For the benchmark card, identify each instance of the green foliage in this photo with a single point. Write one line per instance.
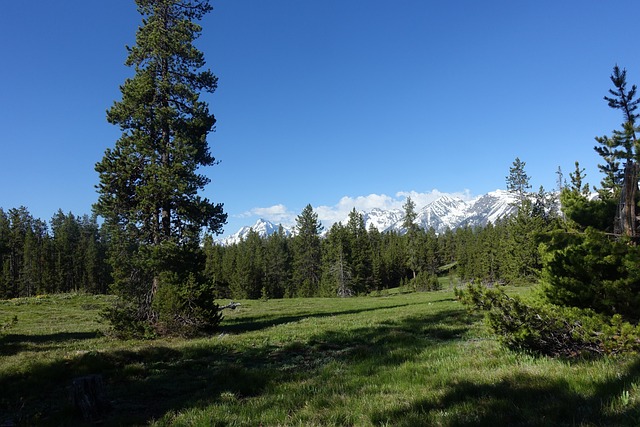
(35, 259)
(185, 307)
(578, 183)
(307, 253)
(621, 147)
(425, 281)
(538, 329)
(592, 270)
(149, 190)
(410, 215)
(125, 320)
(581, 212)
(518, 180)
(551, 330)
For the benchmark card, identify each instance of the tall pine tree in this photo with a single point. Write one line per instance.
(307, 253)
(149, 182)
(518, 180)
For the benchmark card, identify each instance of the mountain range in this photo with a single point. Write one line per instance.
(444, 212)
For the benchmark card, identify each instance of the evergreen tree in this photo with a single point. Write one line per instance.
(412, 236)
(613, 176)
(447, 247)
(248, 277)
(560, 181)
(277, 264)
(91, 254)
(66, 242)
(35, 271)
(307, 253)
(149, 182)
(214, 270)
(5, 255)
(465, 256)
(378, 266)
(20, 226)
(622, 146)
(393, 259)
(229, 264)
(410, 215)
(337, 275)
(522, 261)
(578, 184)
(359, 252)
(430, 252)
(518, 180)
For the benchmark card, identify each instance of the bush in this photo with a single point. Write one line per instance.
(592, 271)
(185, 308)
(550, 330)
(126, 320)
(179, 308)
(425, 282)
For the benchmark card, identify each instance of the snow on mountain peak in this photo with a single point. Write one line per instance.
(446, 212)
(263, 227)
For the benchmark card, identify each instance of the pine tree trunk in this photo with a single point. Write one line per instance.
(628, 209)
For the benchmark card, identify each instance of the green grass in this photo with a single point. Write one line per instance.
(399, 359)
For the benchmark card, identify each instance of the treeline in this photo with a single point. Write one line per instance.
(351, 259)
(68, 254)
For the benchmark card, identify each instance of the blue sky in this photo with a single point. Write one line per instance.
(336, 103)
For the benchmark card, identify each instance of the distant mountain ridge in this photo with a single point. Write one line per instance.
(445, 212)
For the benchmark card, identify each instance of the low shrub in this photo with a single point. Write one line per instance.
(551, 330)
(179, 308)
(425, 282)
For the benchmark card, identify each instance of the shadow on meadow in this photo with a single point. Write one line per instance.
(156, 381)
(144, 384)
(11, 344)
(523, 400)
(255, 323)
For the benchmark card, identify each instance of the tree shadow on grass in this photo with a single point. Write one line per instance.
(521, 399)
(145, 384)
(255, 323)
(11, 344)
(157, 381)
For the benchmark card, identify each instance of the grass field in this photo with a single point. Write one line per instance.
(394, 360)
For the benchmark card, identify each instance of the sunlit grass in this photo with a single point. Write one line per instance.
(398, 359)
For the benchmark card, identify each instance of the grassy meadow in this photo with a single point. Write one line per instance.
(396, 359)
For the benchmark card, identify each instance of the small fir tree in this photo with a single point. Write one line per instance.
(518, 180)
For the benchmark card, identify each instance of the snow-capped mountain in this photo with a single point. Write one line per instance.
(263, 227)
(445, 212)
(489, 208)
(381, 219)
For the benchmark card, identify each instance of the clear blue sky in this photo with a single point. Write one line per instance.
(336, 103)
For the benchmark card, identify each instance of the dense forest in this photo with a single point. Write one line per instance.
(70, 253)
(66, 255)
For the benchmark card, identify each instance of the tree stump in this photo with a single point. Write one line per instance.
(89, 397)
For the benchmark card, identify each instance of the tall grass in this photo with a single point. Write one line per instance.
(404, 359)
